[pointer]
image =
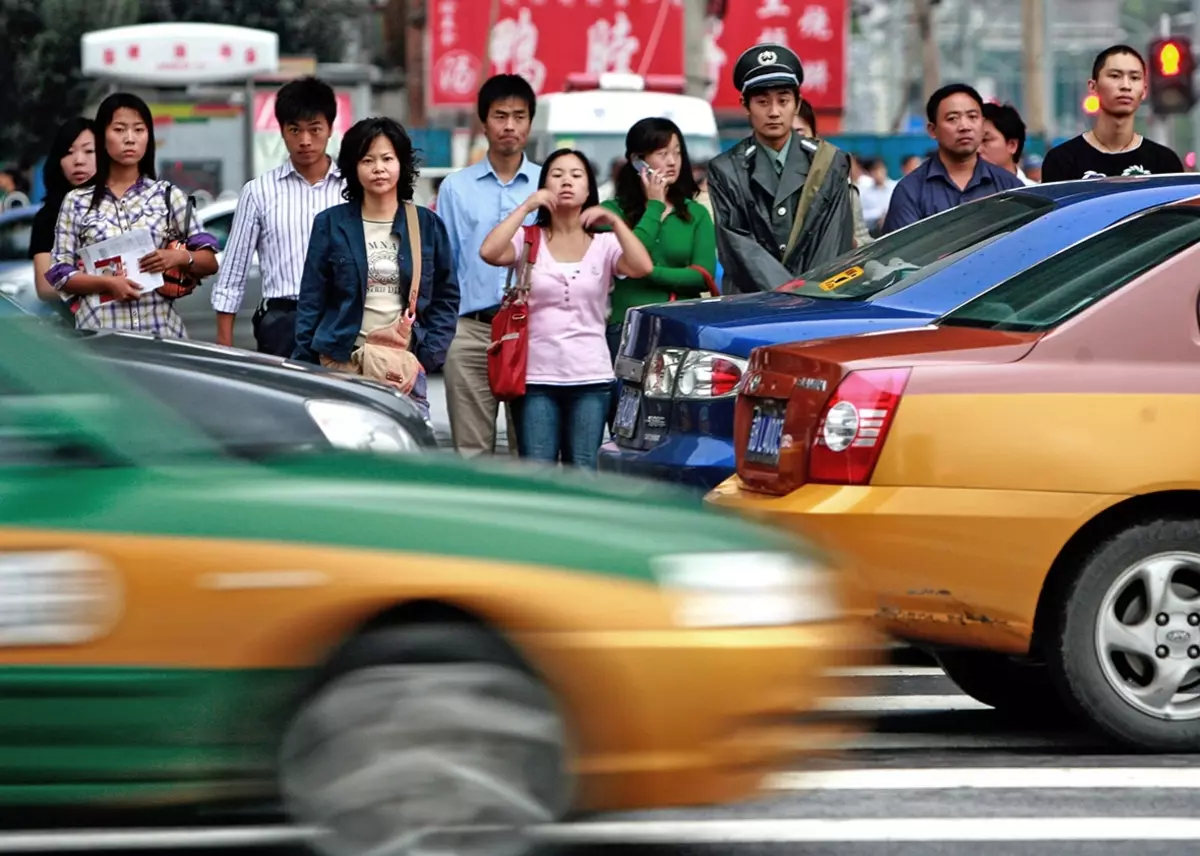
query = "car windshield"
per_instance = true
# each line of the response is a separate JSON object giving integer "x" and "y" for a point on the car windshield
{"x": 1067, "y": 283}
{"x": 905, "y": 257}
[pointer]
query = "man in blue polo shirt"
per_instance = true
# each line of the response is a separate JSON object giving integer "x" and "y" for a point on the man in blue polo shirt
{"x": 957, "y": 174}
{"x": 471, "y": 202}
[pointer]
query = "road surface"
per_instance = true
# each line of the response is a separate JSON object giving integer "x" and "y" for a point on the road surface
{"x": 940, "y": 774}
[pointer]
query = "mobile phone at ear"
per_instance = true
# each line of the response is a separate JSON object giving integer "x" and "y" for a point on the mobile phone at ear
{"x": 641, "y": 166}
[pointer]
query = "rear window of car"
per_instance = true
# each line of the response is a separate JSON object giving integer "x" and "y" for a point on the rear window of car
{"x": 1067, "y": 283}
{"x": 902, "y": 258}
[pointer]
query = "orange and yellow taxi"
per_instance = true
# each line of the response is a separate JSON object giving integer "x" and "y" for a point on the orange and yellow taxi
{"x": 392, "y": 648}
{"x": 1019, "y": 482}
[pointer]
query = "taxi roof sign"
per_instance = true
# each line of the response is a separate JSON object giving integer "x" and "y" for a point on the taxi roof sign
{"x": 179, "y": 54}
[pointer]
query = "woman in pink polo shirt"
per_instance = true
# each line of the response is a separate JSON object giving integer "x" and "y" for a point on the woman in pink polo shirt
{"x": 568, "y": 382}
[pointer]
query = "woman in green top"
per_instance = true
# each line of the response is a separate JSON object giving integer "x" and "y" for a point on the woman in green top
{"x": 663, "y": 212}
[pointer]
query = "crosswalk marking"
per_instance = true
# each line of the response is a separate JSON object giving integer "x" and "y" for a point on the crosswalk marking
{"x": 901, "y": 703}
{"x": 887, "y": 672}
{"x": 875, "y": 830}
{"x": 954, "y": 778}
{"x": 907, "y": 742}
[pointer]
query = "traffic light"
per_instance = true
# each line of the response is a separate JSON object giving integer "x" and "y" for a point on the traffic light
{"x": 1171, "y": 69}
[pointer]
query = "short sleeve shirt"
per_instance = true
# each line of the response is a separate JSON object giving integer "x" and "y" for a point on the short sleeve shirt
{"x": 1077, "y": 159}
{"x": 568, "y": 312}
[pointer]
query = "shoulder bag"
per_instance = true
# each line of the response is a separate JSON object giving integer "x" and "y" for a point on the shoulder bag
{"x": 177, "y": 282}
{"x": 508, "y": 352}
{"x": 387, "y": 355}
{"x": 709, "y": 282}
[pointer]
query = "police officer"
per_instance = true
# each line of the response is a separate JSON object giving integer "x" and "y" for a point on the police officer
{"x": 782, "y": 202}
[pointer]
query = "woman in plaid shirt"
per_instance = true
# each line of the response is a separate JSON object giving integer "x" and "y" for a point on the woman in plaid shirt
{"x": 126, "y": 195}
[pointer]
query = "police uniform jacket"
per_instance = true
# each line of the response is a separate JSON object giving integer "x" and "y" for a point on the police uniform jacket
{"x": 754, "y": 208}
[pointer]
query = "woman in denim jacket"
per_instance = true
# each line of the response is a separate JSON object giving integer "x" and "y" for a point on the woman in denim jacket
{"x": 358, "y": 270}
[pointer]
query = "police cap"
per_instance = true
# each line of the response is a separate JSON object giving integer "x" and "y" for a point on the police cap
{"x": 767, "y": 66}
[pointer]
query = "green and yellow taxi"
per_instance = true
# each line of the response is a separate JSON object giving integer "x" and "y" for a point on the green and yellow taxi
{"x": 392, "y": 648}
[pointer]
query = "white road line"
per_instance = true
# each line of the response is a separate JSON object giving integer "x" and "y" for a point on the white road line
{"x": 901, "y": 703}
{"x": 155, "y": 839}
{"x": 935, "y": 778}
{"x": 876, "y": 830}
{"x": 887, "y": 672}
{"x": 888, "y": 742}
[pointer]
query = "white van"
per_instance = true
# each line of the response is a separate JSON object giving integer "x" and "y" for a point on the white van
{"x": 593, "y": 116}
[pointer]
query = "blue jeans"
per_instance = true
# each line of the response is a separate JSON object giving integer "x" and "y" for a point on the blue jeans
{"x": 562, "y": 422}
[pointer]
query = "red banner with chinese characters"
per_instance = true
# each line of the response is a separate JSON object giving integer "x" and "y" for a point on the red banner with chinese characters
{"x": 817, "y": 30}
{"x": 544, "y": 41}
{"x": 547, "y": 40}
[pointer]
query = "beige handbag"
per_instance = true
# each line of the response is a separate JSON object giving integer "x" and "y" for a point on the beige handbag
{"x": 386, "y": 354}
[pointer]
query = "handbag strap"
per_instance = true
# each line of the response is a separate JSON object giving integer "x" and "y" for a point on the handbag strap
{"x": 525, "y": 262}
{"x": 709, "y": 282}
{"x": 187, "y": 214}
{"x": 414, "y": 249}
{"x": 821, "y": 162}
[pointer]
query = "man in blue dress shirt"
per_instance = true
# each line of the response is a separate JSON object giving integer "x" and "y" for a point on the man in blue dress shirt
{"x": 957, "y": 174}
{"x": 472, "y": 202}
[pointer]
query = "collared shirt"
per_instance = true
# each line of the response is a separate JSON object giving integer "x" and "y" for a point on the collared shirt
{"x": 779, "y": 158}
{"x": 143, "y": 206}
{"x": 929, "y": 190}
{"x": 472, "y": 202}
{"x": 274, "y": 217}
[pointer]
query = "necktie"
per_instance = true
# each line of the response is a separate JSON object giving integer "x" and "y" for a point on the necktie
{"x": 778, "y": 166}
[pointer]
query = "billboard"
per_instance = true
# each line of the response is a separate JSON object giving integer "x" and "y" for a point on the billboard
{"x": 546, "y": 40}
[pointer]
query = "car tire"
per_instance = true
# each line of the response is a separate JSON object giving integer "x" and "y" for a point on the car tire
{"x": 426, "y": 738}
{"x": 997, "y": 680}
{"x": 1103, "y": 617}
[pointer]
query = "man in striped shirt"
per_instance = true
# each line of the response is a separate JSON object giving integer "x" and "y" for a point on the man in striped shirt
{"x": 274, "y": 217}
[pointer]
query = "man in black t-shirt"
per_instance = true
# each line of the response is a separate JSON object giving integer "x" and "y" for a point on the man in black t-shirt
{"x": 1112, "y": 147}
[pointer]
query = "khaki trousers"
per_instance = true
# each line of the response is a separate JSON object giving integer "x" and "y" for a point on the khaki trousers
{"x": 469, "y": 401}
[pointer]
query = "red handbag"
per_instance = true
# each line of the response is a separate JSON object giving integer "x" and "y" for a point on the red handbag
{"x": 713, "y": 291}
{"x": 508, "y": 352}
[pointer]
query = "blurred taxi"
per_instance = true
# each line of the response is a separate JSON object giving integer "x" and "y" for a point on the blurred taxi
{"x": 1019, "y": 482}
{"x": 392, "y": 645}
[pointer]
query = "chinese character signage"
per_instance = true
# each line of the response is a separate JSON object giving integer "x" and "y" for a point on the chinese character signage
{"x": 545, "y": 41}
{"x": 816, "y": 30}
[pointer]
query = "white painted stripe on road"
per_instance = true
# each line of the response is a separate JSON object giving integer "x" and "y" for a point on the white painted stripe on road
{"x": 887, "y": 672}
{"x": 1020, "y": 778}
{"x": 901, "y": 703}
{"x": 877, "y": 830}
{"x": 155, "y": 839}
{"x": 886, "y": 742}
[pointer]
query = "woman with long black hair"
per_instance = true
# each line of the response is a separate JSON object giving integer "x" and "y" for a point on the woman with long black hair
{"x": 656, "y": 198}
{"x": 127, "y": 195}
{"x": 70, "y": 163}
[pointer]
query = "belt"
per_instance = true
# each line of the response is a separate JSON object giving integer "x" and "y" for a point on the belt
{"x": 483, "y": 316}
{"x": 287, "y": 304}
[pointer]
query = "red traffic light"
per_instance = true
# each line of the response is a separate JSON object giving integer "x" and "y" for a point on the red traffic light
{"x": 1169, "y": 59}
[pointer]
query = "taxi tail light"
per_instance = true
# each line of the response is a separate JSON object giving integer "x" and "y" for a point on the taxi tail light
{"x": 854, "y": 426}
{"x": 707, "y": 374}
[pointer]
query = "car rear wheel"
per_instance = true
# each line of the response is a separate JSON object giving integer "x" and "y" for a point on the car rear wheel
{"x": 1000, "y": 681}
{"x": 1128, "y": 652}
{"x": 426, "y": 739}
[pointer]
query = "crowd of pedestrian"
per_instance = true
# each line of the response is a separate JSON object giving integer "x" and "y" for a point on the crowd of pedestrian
{"x": 359, "y": 279}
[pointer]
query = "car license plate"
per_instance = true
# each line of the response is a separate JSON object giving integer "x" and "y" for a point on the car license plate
{"x": 766, "y": 430}
{"x": 625, "y": 425}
